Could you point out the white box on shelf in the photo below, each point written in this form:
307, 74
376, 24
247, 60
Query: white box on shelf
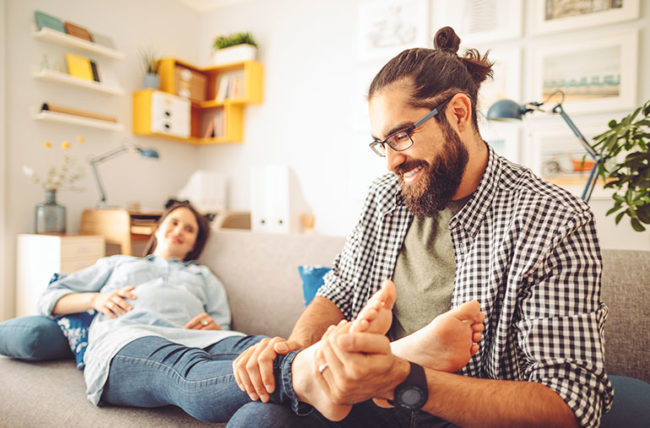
236, 53
276, 202
170, 114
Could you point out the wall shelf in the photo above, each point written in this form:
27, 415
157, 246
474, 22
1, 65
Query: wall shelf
58, 77
58, 37
77, 120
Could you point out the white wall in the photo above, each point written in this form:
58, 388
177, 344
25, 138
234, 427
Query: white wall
310, 119
133, 26
7, 305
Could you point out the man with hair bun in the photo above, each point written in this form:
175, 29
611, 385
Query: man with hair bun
452, 222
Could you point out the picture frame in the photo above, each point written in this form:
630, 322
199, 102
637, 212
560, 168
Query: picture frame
504, 138
506, 83
479, 22
595, 74
550, 16
387, 27
557, 157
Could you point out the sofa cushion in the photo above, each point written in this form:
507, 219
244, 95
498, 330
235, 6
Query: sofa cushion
33, 338
312, 279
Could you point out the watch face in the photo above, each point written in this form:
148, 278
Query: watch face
411, 397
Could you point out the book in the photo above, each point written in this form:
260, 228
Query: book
93, 66
79, 66
49, 21
77, 31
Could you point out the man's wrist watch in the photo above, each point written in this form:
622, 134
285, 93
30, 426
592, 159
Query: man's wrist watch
413, 392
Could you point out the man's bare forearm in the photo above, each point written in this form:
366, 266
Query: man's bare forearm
471, 402
310, 327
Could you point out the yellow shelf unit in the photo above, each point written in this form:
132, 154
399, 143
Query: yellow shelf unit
232, 116
228, 111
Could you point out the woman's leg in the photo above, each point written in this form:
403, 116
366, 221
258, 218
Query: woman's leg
153, 372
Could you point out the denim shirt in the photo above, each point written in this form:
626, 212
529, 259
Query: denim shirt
170, 293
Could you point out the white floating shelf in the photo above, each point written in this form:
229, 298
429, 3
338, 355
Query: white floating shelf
54, 36
78, 120
57, 76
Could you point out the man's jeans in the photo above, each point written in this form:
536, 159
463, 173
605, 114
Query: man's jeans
152, 372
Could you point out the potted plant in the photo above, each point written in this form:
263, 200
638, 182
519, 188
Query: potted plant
150, 63
629, 177
233, 48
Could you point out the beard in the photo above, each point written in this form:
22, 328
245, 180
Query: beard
440, 179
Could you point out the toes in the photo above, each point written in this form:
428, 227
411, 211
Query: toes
476, 337
473, 349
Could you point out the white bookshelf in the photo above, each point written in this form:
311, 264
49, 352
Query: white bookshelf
77, 120
58, 77
53, 36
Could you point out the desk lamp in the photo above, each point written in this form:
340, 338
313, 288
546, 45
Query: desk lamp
145, 153
510, 110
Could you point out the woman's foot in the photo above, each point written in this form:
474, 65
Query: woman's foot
446, 343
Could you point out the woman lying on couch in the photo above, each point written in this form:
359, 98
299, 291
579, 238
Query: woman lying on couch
161, 336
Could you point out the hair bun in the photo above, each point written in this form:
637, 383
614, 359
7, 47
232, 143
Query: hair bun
446, 40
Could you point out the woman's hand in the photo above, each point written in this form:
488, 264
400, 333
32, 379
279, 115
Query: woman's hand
114, 304
202, 321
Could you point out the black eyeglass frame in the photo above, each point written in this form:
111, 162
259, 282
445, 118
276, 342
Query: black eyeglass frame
379, 147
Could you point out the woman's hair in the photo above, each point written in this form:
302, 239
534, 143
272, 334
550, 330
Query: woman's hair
437, 73
201, 237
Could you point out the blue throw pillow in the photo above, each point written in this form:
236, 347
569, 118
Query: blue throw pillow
312, 279
75, 329
34, 338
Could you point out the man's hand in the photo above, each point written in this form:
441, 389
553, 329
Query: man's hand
114, 304
202, 321
253, 369
360, 366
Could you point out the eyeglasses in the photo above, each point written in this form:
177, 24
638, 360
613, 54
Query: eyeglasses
401, 140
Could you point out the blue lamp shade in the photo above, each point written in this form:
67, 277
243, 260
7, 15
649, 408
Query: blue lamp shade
148, 153
505, 109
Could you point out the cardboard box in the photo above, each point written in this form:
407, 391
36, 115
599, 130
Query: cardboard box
190, 84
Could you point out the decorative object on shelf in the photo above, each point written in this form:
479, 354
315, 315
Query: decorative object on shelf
234, 48
49, 216
144, 152
629, 177
75, 112
77, 31
508, 109
150, 79
551, 17
81, 67
49, 21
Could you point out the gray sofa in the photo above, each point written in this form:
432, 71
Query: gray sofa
264, 289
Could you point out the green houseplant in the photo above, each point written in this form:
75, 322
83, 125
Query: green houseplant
233, 48
629, 177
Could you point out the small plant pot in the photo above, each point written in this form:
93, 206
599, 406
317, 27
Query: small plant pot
234, 54
151, 81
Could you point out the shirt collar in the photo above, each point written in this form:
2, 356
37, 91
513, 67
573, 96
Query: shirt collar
471, 215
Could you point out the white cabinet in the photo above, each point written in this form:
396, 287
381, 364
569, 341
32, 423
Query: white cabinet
40, 256
170, 114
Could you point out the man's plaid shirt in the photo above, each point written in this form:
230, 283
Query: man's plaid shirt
527, 251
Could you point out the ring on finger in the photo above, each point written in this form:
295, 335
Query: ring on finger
323, 367
204, 322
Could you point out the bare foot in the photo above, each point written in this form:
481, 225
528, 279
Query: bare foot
446, 343
375, 317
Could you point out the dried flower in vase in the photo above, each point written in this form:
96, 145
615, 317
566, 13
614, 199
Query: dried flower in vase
62, 176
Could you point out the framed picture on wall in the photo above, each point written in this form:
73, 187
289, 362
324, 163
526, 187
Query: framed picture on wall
503, 137
557, 157
478, 21
550, 16
597, 74
506, 83
387, 27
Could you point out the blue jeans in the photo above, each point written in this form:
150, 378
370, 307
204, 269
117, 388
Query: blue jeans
153, 372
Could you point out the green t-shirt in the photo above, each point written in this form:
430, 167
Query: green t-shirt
424, 272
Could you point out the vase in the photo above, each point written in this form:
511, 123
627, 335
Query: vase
50, 216
151, 80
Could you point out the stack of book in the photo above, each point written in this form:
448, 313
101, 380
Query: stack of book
231, 86
214, 124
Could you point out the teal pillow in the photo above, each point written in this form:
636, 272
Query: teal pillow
75, 329
34, 338
312, 279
